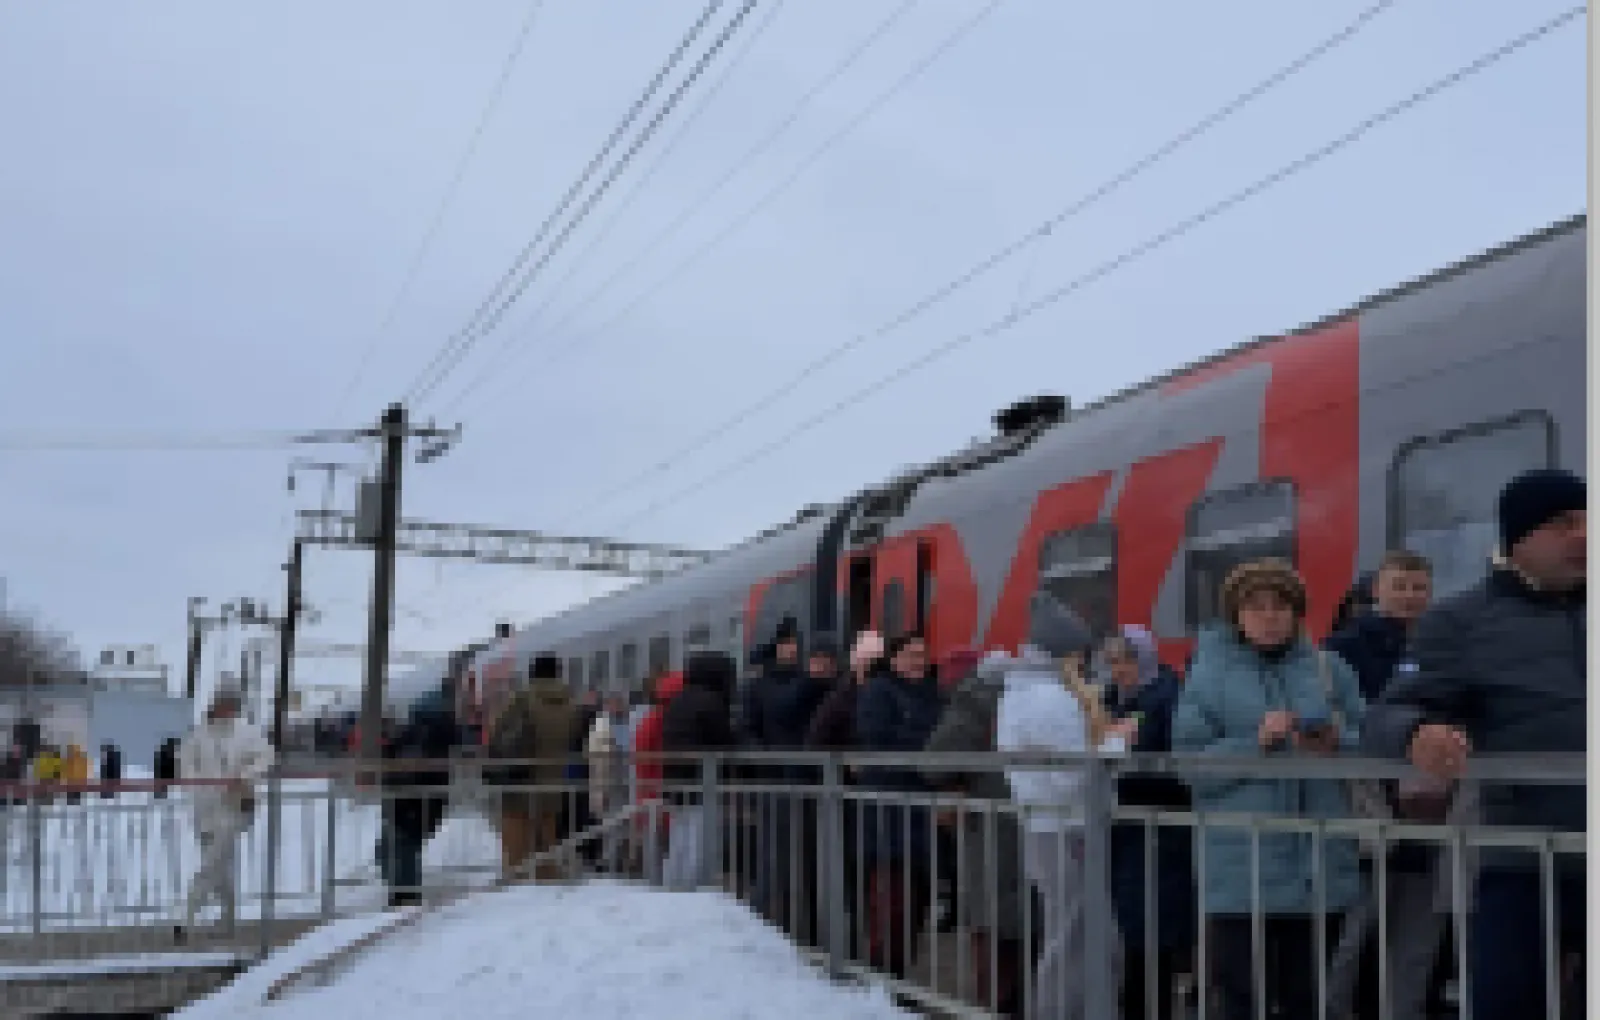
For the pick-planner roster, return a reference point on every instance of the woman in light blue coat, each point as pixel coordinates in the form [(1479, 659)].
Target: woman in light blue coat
[(1259, 687)]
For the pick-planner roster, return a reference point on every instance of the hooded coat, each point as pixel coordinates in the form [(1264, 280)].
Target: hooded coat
[(222, 749), (1231, 686)]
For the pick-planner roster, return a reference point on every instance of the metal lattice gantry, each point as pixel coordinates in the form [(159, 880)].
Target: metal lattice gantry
[(506, 545)]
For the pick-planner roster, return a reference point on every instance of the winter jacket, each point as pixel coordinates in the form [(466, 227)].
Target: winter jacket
[(222, 749), (47, 767), (779, 708), (75, 766), (547, 706), (1037, 713), (833, 724), (1508, 665), (895, 714), (1371, 644), (695, 720), (968, 727), (429, 734), (1155, 702), (1231, 686)]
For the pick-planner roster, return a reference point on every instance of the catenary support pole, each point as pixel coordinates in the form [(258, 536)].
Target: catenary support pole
[(196, 638), (286, 636), (394, 442)]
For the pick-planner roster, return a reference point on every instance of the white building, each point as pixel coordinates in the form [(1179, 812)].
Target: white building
[(131, 669)]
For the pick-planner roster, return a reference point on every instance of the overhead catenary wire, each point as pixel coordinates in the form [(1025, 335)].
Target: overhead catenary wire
[(599, 193), (1129, 256), (853, 56), (156, 442), (623, 206), (457, 344), (770, 196), (431, 234), (1026, 241)]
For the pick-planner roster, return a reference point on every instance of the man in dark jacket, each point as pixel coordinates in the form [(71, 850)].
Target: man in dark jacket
[(1501, 669), (1373, 639), (413, 813), (778, 709), (694, 721)]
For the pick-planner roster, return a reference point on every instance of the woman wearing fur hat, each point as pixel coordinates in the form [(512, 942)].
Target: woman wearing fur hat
[(1259, 687)]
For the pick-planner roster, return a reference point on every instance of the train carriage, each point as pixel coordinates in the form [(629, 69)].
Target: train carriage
[(1392, 424)]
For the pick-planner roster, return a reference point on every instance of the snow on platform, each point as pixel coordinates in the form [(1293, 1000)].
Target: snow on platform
[(596, 951)]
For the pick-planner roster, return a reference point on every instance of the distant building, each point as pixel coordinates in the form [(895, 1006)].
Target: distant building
[(131, 669)]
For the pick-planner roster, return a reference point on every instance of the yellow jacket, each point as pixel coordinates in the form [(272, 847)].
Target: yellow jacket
[(75, 768), (47, 767)]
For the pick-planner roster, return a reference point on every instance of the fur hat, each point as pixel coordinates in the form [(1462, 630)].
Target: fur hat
[(1262, 575)]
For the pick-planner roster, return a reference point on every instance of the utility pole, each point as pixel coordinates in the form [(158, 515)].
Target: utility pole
[(394, 431), (196, 639), (291, 614)]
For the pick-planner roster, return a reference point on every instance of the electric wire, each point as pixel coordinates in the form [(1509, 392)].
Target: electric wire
[(766, 200), (594, 198), (1129, 256), (624, 205), (735, 169), (419, 257), (938, 296), (615, 138)]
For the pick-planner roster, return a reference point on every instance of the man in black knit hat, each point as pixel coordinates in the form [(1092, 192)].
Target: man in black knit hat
[(1502, 669)]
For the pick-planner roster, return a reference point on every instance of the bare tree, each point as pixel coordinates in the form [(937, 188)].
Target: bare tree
[(32, 652)]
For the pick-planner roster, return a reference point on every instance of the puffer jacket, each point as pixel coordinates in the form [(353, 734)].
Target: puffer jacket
[(1231, 686), (222, 749), (1037, 713), (895, 714), (696, 719)]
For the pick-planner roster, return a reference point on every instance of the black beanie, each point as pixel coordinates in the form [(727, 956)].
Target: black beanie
[(1535, 498)]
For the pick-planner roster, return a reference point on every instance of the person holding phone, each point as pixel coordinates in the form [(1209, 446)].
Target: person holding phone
[(1259, 687)]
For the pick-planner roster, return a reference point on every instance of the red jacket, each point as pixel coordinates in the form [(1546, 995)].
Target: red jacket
[(647, 740)]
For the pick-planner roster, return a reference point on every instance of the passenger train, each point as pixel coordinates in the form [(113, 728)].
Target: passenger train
[(1391, 424)]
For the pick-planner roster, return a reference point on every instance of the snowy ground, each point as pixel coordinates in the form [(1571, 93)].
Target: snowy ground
[(596, 951), (106, 862)]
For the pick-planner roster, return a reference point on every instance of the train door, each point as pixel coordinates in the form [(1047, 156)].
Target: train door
[(891, 589)]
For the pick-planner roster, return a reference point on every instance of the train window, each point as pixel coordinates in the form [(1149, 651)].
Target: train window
[(575, 673), (1248, 522), (1443, 489), (628, 663), (599, 669), (697, 637), (659, 654), (1079, 567)]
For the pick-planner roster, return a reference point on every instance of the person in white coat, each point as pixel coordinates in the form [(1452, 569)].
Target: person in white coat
[(1047, 707), (227, 755)]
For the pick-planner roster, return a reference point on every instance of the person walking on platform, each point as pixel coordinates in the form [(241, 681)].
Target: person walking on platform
[(696, 720), (1502, 668), (412, 815), (537, 723), (225, 756), (110, 769)]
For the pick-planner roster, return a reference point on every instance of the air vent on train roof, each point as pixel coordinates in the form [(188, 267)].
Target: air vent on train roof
[(1032, 413)]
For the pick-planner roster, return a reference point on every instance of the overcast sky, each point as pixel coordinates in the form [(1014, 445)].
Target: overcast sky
[(207, 209)]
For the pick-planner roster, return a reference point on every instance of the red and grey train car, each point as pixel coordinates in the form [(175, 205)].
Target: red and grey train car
[(1391, 424)]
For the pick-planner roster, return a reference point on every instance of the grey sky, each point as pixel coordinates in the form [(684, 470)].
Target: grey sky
[(205, 210)]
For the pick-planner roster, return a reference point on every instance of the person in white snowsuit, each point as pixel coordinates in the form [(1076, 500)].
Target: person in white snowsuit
[(227, 748), (1047, 707)]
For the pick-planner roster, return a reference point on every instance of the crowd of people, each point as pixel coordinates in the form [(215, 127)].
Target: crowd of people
[(1497, 669)]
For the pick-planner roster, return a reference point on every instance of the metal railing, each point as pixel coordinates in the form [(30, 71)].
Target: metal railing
[(878, 866)]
